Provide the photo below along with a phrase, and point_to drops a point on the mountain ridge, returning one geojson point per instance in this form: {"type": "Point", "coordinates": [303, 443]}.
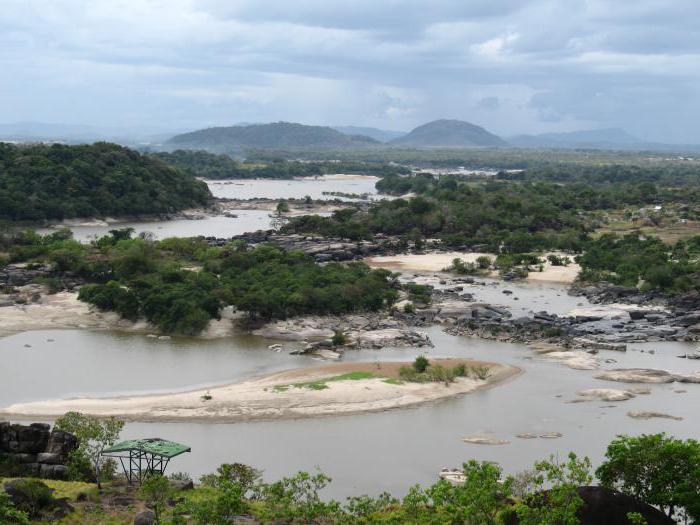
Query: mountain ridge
{"type": "Point", "coordinates": [449, 133]}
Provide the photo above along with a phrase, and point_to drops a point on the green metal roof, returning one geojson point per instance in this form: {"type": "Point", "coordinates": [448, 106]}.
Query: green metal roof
{"type": "Point", "coordinates": [160, 447]}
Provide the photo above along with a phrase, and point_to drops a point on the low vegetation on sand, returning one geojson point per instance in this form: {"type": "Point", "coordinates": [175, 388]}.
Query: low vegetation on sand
{"type": "Point", "coordinates": [423, 371]}
{"type": "Point", "coordinates": [656, 470]}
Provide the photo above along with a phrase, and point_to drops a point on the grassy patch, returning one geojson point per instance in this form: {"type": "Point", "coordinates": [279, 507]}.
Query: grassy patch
{"type": "Point", "coordinates": [65, 489]}
{"type": "Point", "coordinates": [393, 381]}
{"type": "Point", "coordinates": [321, 384]}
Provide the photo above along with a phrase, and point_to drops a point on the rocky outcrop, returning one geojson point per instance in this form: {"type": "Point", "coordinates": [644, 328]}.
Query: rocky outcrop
{"type": "Point", "coordinates": [35, 450]}
{"type": "Point", "coordinates": [603, 506]}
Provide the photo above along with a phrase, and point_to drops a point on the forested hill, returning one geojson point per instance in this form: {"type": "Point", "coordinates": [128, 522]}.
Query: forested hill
{"type": "Point", "coordinates": [449, 133]}
{"type": "Point", "coordinates": [263, 136]}
{"type": "Point", "coordinates": [39, 182]}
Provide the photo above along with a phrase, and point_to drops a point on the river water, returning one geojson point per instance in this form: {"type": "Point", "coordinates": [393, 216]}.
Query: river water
{"type": "Point", "coordinates": [365, 453]}
{"type": "Point", "coordinates": [246, 220]}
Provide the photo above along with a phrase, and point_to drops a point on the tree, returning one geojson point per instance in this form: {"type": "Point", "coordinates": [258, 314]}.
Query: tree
{"type": "Point", "coordinates": [421, 364]}
{"type": "Point", "coordinates": [94, 436]}
{"type": "Point", "coordinates": [480, 500]}
{"type": "Point", "coordinates": [660, 470]}
{"type": "Point", "coordinates": [554, 499]}
{"type": "Point", "coordinates": [156, 491]}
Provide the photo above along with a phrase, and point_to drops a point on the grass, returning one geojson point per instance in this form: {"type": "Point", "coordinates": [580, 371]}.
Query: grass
{"type": "Point", "coordinates": [65, 489]}
{"type": "Point", "coordinates": [393, 381]}
{"type": "Point", "coordinates": [321, 384]}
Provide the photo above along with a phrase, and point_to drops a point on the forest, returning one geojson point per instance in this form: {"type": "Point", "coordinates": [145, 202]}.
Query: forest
{"type": "Point", "coordinates": [55, 182]}
{"type": "Point", "coordinates": [207, 165]}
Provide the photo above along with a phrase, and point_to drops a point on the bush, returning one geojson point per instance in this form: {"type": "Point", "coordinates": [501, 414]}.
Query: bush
{"type": "Point", "coordinates": [29, 495]}
{"type": "Point", "coordinates": [483, 262]}
{"type": "Point", "coordinates": [339, 338]}
{"type": "Point", "coordinates": [156, 491]}
{"type": "Point", "coordinates": [9, 514]}
{"type": "Point", "coordinates": [420, 364]}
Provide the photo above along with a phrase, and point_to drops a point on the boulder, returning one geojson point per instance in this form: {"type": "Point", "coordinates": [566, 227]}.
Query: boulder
{"type": "Point", "coordinates": [637, 375]}
{"type": "Point", "coordinates": [603, 506]}
{"type": "Point", "coordinates": [61, 443]}
{"type": "Point", "coordinates": [181, 484]}
{"type": "Point", "coordinates": [145, 517]}
{"type": "Point", "coordinates": [606, 394]}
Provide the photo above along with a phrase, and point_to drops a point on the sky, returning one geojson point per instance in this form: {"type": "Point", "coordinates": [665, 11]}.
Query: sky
{"type": "Point", "coordinates": [512, 66]}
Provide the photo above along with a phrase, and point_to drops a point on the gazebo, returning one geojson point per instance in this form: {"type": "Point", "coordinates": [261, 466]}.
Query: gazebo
{"type": "Point", "coordinates": [143, 457]}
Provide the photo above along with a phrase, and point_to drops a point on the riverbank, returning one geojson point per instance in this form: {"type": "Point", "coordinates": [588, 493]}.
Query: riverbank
{"type": "Point", "coordinates": [348, 388]}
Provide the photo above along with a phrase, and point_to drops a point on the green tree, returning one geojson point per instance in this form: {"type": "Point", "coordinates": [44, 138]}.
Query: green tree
{"type": "Point", "coordinates": [554, 499]}
{"type": "Point", "coordinates": [660, 470]}
{"type": "Point", "coordinates": [94, 436]}
{"type": "Point", "coordinates": [479, 501]}
{"type": "Point", "coordinates": [156, 490]}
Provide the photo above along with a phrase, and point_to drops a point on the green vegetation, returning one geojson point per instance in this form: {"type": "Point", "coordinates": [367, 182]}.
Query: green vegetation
{"type": "Point", "coordinates": [94, 436]}
{"type": "Point", "coordinates": [212, 166]}
{"type": "Point", "coordinates": [155, 490]}
{"type": "Point", "coordinates": [656, 469]}
{"type": "Point", "coordinates": [322, 384]}
{"type": "Point", "coordinates": [630, 261]}
{"type": "Point", "coordinates": [179, 285]}
{"type": "Point", "coordinates": [423, 371]}
{"type": "Point", "coordinates": [660, 470]}
{"type": "Point", "coordinates": [55, 182]}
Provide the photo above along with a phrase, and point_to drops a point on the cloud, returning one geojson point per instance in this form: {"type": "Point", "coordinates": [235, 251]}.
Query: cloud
{"type": "Point", "coordinates": [513, 66]}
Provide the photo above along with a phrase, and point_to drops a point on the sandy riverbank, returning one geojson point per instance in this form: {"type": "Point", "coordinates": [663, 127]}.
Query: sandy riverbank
{"type": "Point", "coordinates": [63, 310]}
{"type": "Point", "coordinates": [438, 261]}
{"type": "Point", "coordinates": [274, 396]}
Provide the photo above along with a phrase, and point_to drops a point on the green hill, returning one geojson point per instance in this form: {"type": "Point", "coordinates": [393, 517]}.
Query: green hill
{"type": "Point", "coordinates": [278, 135]}
{"type": "Point", "coordinates": [449, 133]}
{"type": "Point", "coordinates": [40, 182]}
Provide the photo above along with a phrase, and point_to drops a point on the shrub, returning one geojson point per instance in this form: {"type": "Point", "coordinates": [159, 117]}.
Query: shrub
{"type": "Point", "coordinates": [483, 262]}
{"type": "Point", "coordinates": [420, 364]}
{"type": "Point", "coordinates": [339, 338]}
{"type": "Point", "coordinates": [156, 491]}
{"type": "Point", "coordinates": [9, 514]}
{"type": "Point", "coordinates": [30, 495]}
{"type": "Point", "coordinates": [408, 308]}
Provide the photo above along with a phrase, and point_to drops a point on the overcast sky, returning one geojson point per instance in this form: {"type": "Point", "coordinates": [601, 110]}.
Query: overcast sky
{"type": "Point", "coordinates": [513, 66]}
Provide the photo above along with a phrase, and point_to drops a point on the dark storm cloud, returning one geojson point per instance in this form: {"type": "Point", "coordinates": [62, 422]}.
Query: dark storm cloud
{"type": "Point", "coordinates": [512, 66]}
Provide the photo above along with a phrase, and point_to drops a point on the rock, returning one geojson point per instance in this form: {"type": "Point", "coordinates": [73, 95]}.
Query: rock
{"type": "Point", "coordinates": [551, 435]}
{"type": "Point", "coordinates": [606, 394]}
{"type": "Point", "coordinates": [480, 440]}
{"type": "Point", "coordinates": [145, 517]}
{"type": "Point", "coordinates": [62, 443]}
{"type": "Point", "coordinates": [649, 415]}
{"type": "Point", "coordinates": [599, 345]}
{"type": "Point", "coordinates": [49, 458]}
{"type": "Point", "coordinates": [637, 375]}
{"type": "Point", "coordinates": [603, 506]}
{"type": "Point", "coordinates": [526, 435]}
{"type": "Point", "coordinates": [181, 484]}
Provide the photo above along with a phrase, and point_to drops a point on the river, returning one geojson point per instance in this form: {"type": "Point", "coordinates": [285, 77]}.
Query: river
{"type": "Point", "coordinates": [365, 453]}
{"type": "Point", "coordinates": [246, 220]}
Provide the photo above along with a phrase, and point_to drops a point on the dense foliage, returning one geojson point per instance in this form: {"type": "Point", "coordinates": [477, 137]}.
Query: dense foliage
{"type": "Point", "coordinates": [632, 261]}
{"type": "Point", "coordinates": [658, 469]}
{"type": "Point", "coordinates": [39, 182]}
{"type": "Point", "coordinates": [181, 284]}
{"type": "Point", "coordinates": [213, 166]}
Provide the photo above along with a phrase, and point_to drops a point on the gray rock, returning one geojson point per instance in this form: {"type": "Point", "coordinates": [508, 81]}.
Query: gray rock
{"type": "Point", "coordinates": [145, 517]}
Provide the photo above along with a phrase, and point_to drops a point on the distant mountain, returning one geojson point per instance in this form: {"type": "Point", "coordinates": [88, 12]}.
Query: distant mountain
{"type": "Point", "coordinates": [382, 135]}
{"type": "Point", "coordinates": [590, 138]}
{"type": "Point", "coordinates": [278, 135]}
{"type": "Point", "coordinates": [449, 133]}
{"type": "Point", "coordinates": [133, 136]}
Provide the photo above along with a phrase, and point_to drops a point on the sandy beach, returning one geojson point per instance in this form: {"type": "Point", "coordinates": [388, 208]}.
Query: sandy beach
{"type": "Point", "coordinates": [438, 261]}
{"type": "Point", "coordinates": [275, 396]}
